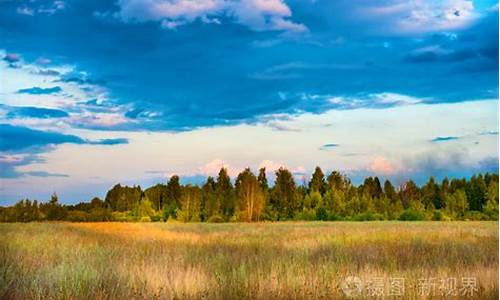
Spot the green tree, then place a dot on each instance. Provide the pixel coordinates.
(123, 198)
(410, 196)
(283, 195)
(262, 179)
(158, 195)
(317, 183)
(225, 194)
(476, 192)
(250, 197)
(335, 201)
(190, 204)
(371, 187)
(209, 205)
(456, 204)
(336, 181)
(491, 207)
(143, 210)
(390, 191)
(313, 200)
(431, 196)
(174, 191)
(54, 210)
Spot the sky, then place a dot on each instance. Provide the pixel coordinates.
(99, 92)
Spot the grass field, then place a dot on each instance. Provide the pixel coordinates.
(249, 261)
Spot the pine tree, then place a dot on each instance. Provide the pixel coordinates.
(225, 194)
(317, 183)
(284, 197)
(174, 191)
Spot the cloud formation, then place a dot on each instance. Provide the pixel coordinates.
(380, 165)
(444, 139)
(416, 17)
(329, 146)
(16, 138)
(158, 68)
(11, 57)
(34, 112)
(258, 15)
(40, 91)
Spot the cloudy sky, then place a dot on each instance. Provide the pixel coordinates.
(96, 92)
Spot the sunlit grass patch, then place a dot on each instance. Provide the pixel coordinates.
(239, 261)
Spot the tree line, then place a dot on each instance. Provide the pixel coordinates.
(251, 198)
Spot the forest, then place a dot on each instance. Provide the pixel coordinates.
(252, 198)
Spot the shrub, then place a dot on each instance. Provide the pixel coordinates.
(368, 216)
(169, 211)
(99, 215)
(305, 215)
(145, 219)
(215, 219)
(172, 220)
(77, 216)
(474, 215)
(265, 216)
(492, 215)
(155, 218)
(411, 215)
(334, 217)
(119, 216)
(321, 214)
(437, 216)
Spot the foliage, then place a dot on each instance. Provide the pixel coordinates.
(412, 215)
(251, 198)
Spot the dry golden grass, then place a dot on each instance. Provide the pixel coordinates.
(235, 261)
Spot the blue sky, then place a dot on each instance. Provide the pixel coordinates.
(98, 92)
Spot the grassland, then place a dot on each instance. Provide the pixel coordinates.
(244, 261)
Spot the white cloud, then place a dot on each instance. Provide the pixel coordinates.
(25, 11)
(395, 99)
(213, 167)
(419, 16)
(380, 165)
(47, 9)
(271, 166)
(258, 15)
(42, 73)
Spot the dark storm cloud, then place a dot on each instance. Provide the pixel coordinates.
(17, 138)
(207, 74)
(40, 91)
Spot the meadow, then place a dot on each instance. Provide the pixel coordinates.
(286, 260)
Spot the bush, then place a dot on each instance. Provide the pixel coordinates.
(169, 211)
(172, 220)
(145, 219)
(99, 215)
(305, 215)
(119, 216)
(437, 216)
(474, 215)
(334, 217)
(321, 214)
(368, 216)
(265, 216)
(215, 219)
(412, 215)
(77, 216)
(155, 218)
(440, 216)
(491, 214)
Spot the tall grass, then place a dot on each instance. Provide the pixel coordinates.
(238, 261)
